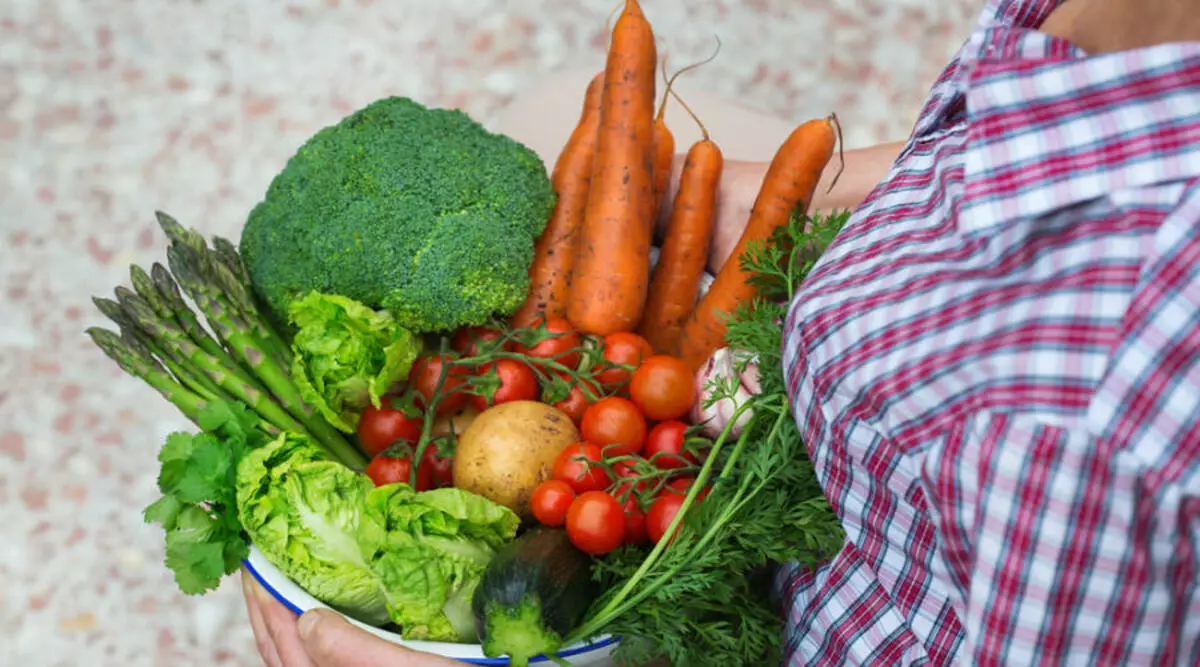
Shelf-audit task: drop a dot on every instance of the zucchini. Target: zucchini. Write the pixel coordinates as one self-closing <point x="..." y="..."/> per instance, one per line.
<point x="532" y="594"/>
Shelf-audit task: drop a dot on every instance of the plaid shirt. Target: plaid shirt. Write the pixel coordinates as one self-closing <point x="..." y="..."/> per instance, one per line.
<point x="996" y="367"/>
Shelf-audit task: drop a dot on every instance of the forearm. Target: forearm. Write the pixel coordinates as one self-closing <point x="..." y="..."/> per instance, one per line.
<point x="864" y="169"/>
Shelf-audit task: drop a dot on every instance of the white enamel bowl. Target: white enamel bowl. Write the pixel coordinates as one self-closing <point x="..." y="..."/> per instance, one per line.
<point x="595" y="654"/>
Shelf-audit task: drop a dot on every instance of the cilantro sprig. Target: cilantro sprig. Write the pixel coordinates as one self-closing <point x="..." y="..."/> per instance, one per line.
<point x="198" y="507"/>
<point x="702" y="600"/>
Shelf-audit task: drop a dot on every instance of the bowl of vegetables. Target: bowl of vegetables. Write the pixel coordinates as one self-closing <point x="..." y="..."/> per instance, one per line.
<point x="467" y="404"/>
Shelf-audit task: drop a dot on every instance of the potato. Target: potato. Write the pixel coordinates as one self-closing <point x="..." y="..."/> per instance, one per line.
<point x="509" y="449"/>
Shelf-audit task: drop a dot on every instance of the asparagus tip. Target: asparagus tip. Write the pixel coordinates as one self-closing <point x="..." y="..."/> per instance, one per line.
<point x="125" y="294"/>
<point x="158" y="271"/>
<point x="180" y="234"/>
<point x="110" y="309"/>
<point x="169" y="225"/>
<point x="112" y="345"/>
<point x="138" y="274"/>
<point x="166" y="286"/>
<point x="102" y="336"/>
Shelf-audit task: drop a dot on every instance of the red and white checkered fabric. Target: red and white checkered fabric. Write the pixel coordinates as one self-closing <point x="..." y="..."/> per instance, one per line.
<point x="996" y="367"/>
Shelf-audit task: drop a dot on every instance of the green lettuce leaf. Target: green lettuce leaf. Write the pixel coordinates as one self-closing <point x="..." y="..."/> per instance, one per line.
<point x="377" y="554"/>
<point x="347" y="356"/>
<point x="305" y="514"/>
<point x="437" y="544"/>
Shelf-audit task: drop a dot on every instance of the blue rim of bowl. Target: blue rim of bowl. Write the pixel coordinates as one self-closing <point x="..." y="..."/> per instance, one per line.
<point x="586" y="648"/>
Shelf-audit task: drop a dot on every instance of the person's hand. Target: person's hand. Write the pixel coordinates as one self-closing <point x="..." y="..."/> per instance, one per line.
<point x="321" y="638"/>
<point x="740" y="182"/>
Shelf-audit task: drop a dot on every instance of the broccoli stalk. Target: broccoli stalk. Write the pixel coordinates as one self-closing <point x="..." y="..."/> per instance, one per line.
<point x="418" y="211"/>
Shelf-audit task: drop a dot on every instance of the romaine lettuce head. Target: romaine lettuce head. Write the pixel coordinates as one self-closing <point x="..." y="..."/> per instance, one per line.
<point x="377" y="554"/>
<point x="436" y="546"/>
<point x="347" y="355"/>
<point x="305" y="514"/>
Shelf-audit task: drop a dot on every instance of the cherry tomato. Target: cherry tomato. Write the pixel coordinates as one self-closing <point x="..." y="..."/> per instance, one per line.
<point x="387" y="468"/>
<point x="625" y="469"/>
<point x="467" y="341"/>
<point x="517" y="383"/>
<point x="424" y="381"/>
<point x="626" y="349"/>
<point x="572" y="466"/>
<point x="666" y="440"/>
<point x="663" y="388"/>
<point x="596" y="523"/>
<point x="550" y="502"/>
<point x="615" y="424"/>
<point x="576" y="402"/>
<point x="661" y="514"/>
<point x="440" y="469"/>
<point x="382" y="427"/>
<point x="559" y="346"/>
<point x="635" y="522"/>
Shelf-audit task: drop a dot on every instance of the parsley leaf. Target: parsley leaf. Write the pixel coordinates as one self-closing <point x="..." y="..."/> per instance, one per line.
<point x="702" y="600"/>
<point x="198" y="507"/>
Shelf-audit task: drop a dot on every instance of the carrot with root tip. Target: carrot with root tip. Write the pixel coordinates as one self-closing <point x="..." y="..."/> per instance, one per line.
<point x="676" y="278"/>
<point x="664" y="147"/>
<point x="554" y="254"/>
<point x="787" y="187"/>
<point x="664" y="140"/>
<point x="612" y="268"/>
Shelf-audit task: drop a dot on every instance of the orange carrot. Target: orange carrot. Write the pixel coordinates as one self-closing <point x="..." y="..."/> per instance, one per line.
<point x="554" y="253"/>
<point x="684" y="253"/>
<point x="788" y="185"/>
<point x="612" y="268"/>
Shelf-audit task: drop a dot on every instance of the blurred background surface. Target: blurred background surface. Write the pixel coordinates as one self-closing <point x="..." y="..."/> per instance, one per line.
<point x="111" y="109"/>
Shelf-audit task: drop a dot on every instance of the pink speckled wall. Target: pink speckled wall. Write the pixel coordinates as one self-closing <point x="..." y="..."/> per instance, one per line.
<point x="110" y="109"/>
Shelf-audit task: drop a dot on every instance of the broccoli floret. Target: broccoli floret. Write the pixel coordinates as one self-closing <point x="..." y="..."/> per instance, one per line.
<point x="419" y="211"/>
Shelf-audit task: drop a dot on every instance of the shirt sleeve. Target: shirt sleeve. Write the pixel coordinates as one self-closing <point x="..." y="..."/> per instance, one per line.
<point x="1079" y="543"/>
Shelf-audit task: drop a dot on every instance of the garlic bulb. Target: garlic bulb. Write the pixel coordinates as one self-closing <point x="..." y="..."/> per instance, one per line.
<point x="722" y="368"/>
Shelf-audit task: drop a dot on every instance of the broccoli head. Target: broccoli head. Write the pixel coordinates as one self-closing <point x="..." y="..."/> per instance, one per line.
<point x="419" y="211"/>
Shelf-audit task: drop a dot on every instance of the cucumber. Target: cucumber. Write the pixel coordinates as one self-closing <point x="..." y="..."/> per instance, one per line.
<point x="532" y="594"/>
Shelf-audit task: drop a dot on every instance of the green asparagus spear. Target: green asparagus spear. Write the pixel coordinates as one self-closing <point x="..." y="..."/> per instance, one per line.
<point x="242" y="302"/>
<point x="228" y="254"/>
<point x="164" y="343"/>
<point x="234" y="380"/>
<point x="143" y="284"/>
<point x="150" y="371"/>
<point x="235" y="332"/>
<point x="199" y="383"/>
<point x="223" y="276"/>
<point x="165" y="285"/>
<point x="112" y="310"/>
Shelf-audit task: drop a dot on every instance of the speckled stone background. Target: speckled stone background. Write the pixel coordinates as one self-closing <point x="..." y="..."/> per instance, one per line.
<point x="110" y="109"/>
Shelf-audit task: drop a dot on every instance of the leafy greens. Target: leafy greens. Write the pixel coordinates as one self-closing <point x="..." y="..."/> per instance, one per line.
<point x="377" y="554"/>
<point x="346" y="355"/>
<point x="198" y="508"/>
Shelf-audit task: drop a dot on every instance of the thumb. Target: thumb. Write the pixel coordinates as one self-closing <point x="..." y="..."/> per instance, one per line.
<point x="331" y="641"/>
